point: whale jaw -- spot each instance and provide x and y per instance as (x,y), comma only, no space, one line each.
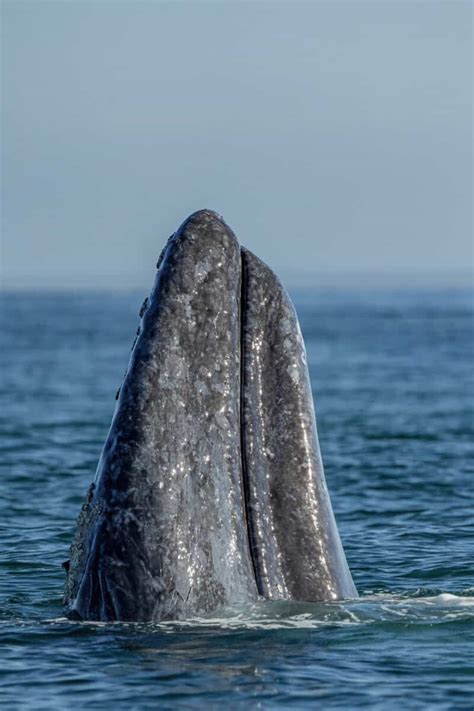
(210,488)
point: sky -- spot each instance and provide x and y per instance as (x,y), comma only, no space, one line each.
(334,137)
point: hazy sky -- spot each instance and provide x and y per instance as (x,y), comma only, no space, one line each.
(334,137)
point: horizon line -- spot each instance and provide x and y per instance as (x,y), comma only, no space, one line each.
(292,279)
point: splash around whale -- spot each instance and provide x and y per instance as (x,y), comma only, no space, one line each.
(210,488)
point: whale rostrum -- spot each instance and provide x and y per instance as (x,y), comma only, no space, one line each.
(210,488)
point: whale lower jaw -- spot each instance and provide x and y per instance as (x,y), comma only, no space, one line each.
(210,488)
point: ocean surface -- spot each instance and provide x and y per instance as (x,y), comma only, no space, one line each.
(392,376)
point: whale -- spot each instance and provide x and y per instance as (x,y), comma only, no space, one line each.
(210,488)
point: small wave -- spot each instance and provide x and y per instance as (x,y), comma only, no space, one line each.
(371,609)
(449,600)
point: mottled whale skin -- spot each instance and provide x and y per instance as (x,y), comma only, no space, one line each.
(293,533)
(210,488)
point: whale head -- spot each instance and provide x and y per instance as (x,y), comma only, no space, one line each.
(210,488)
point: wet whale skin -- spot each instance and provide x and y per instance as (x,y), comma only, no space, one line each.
(293,532)
(210,488)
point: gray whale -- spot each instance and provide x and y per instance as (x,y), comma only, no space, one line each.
(210,488)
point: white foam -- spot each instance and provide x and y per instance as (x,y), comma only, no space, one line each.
(449,599)
(367,609)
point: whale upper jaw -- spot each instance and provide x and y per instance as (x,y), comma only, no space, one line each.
(210,487)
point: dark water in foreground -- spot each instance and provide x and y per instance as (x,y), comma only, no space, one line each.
(393,378)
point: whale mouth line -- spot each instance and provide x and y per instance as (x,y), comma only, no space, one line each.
(252,542)
(210,488)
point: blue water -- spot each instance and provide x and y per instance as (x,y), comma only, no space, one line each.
(392,377)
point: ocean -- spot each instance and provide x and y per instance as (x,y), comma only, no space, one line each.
(392,376)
